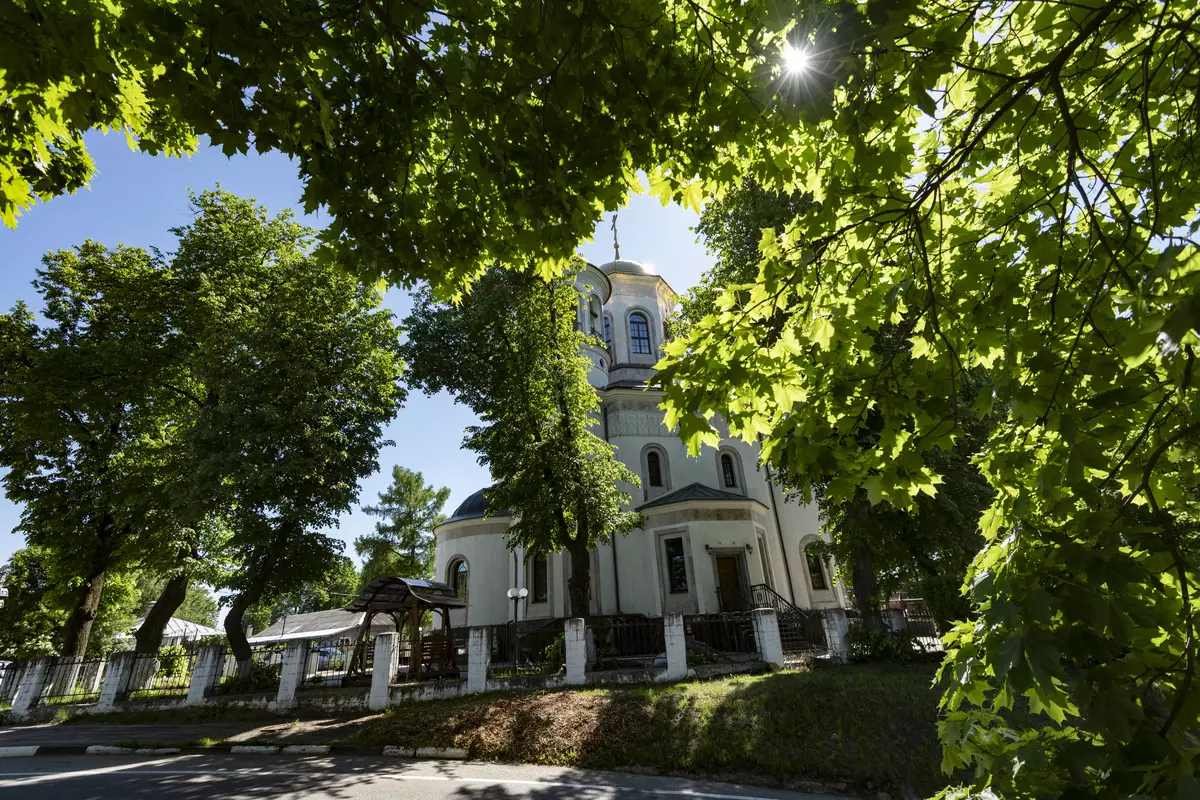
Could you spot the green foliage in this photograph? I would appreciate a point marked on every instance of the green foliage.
(260, 678)
(292, 374)
(334, 588)
(33, 614)
(1011, 188)
(403, 543)
(172, 661)
(84, 419)
(511, 352)
(870, 644)
(555, 654)
(507, 127)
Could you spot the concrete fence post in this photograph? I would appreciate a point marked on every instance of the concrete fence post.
(836, 625)
(34, 682)
(206, 674)
(120, 672)
(575, 633)
(383, 667)
(479, 657)
(291, 672)
(766, 633)
(676, 644)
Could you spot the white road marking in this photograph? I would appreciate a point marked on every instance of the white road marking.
(251, 772)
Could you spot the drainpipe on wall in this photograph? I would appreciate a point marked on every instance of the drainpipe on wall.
(779, 530)
(616, 573)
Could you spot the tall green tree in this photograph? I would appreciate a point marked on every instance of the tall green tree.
(510, 351)
(33, 614)
(85, 420)
(198, 604)
(403, 543)
(1014, 186)
(291, 373)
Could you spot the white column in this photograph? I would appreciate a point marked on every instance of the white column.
(479, 656)
(576, 640)
(383, 667)
(120, 669)
(766, 633)
(33, 683)
(291, 674)
(836, 625)
(676, 644)
(206, 674)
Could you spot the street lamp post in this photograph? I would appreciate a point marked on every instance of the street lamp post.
(516, 595)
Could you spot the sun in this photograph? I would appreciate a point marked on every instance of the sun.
(795, 59)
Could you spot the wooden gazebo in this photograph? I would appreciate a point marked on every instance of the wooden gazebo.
(405, 600)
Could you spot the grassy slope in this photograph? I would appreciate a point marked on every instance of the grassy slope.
(860, 724)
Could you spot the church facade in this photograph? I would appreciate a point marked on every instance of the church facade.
(716, 534)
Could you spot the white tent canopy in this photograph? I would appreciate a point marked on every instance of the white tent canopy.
(334, 624)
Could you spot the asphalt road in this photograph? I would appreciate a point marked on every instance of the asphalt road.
(241, 777)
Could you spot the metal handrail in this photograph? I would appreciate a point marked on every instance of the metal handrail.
(774, 599)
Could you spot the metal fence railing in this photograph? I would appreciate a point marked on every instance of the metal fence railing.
(919, 621)
(74, 680)
(329, 662)
(167, 673)
(10, 679)
(627, 642)
(258, 675)
(528, 649)
(728, 636)
(801, 634)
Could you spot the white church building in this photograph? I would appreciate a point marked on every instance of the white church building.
(717, 534)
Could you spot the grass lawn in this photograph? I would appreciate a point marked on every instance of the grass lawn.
(862, 725)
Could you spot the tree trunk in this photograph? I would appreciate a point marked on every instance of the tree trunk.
(149, 635)
(579, 587)
(866, 587)
(78, 628)
(235, 629)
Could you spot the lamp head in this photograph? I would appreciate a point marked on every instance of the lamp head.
(523, 594)
(512, 594)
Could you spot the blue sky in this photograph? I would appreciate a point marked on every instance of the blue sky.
(136, 198)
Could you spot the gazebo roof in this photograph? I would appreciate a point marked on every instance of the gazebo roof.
(395, 594)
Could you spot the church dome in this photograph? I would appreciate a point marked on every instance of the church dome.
(626, 267)
(475, 507)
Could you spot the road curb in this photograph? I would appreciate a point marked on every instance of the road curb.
(26, 751)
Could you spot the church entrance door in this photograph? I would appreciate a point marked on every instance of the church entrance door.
(729, 581)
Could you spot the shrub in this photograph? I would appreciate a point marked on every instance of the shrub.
(260, 678)
(173, 661)
(869, 644)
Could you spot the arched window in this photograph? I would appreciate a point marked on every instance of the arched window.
(608, 332)
(594, 313)
(653, 469)
(639, 333)
(816, 571)
(459, 577)
(728, 471)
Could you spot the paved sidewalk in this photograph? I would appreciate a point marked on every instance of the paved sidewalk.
(309, 731)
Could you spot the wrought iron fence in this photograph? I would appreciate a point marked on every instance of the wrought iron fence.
(329, 662)
(919, 621)
(539, 650)
(167, 673)
(10, 679)
(800, 634)
(258, 675)
(627, 642)
(720, 637)
(74, 680)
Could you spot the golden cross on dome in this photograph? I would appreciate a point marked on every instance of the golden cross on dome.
(616, 245)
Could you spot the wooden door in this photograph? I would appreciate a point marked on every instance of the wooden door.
(728, 583)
